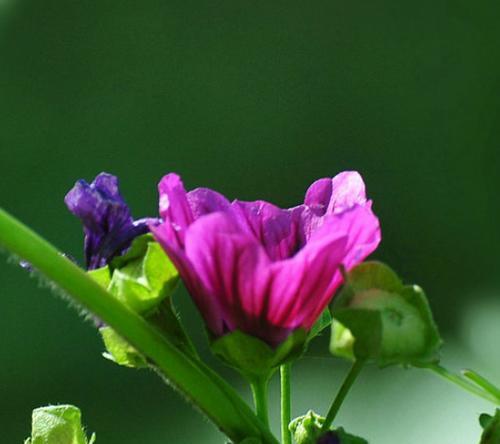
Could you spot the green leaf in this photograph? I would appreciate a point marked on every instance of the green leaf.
(253, 358)
(380, 319)
(60, 424)
(120, 351)
(491, 425)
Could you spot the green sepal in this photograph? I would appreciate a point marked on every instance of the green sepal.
(321, 324)
(143, 276)
(306, 429)
(254, 358)
(120, 351)
(491, 426)
(378, 318)
(59, 424)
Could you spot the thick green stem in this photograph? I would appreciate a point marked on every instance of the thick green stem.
(286, 403)
(199, 384)
(342, 393)
(260, 399)
(463, 383)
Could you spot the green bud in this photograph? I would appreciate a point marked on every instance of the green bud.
(378, 318)
(120, 351)
(306, 429)
(255, 359)
(60, 424)
(491, 426)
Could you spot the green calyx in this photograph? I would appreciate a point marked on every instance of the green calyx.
(307, 429)
(59, 424)
(143, 280)
(491, 426)
(254, 358)
(378, 318)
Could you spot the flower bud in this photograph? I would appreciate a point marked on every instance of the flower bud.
(491, 426)
(306, 429)
(59, 424)
(380, 319)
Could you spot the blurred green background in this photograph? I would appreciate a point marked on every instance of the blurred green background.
(256, 99)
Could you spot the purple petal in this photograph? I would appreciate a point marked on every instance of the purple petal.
(108, 226)
(275, 229)
(207, 306)
(335, 195)
(204, 201)
(174, 207)
(330, 196)
(362, 229)
(303, 285)
(180, 208)
(234, 269)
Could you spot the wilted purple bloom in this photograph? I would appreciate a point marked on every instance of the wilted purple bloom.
(108, 226)
(329, 438)
(261, 269)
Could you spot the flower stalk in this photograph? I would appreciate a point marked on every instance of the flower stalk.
(286, 404)
(342, 393)
(199, 384)
(465, 384)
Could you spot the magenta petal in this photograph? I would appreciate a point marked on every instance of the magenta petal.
(326, 196)
(207, 306)
(203, 201)
(234, 269)
(362, 229)
(174, 206)
(275, 228)
(303, 285)
(330, 196)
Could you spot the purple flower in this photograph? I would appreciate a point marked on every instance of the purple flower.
(108, 226)
(261, 269)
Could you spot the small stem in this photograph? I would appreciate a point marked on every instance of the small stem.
(482, 382)
(260, 395)
(463, 383)
(342, 393)
(286, 404)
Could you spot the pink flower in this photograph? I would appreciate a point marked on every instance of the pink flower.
(254, 267)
